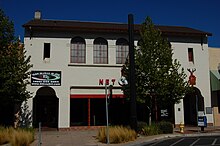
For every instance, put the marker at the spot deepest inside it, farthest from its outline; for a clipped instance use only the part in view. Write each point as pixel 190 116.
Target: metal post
pixel 149 115
pixel 133 114
pixel 106 104
pixel 89 114
pixel 39 135
pixel 197 118
pixel 94 119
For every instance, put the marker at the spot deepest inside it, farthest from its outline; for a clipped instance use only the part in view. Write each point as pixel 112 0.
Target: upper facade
pixel 102 37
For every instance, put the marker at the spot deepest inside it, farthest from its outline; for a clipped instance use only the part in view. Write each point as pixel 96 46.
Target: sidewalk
pixel 66 138
pixel 197 130
pixel 88 137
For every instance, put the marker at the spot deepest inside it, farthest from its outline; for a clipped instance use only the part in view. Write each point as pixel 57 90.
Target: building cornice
pixel 96 27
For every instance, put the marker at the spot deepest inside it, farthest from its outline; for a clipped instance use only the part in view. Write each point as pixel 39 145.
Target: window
pixel 78 50
pixel 122 50
pixel 46 50
pixel 190 55
pixel 100 51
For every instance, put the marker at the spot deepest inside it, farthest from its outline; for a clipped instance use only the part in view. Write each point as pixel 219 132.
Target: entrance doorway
pixel 193 102
pixel 45 108
pixel 79 112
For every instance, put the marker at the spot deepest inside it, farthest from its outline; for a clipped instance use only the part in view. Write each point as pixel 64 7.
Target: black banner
pixel 45 78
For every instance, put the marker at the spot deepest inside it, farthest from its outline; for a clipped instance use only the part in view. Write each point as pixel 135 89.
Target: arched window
pixel 78 50
pixel 100 51
pixel 122 50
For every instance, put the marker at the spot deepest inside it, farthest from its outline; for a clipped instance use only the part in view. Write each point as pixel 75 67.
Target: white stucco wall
pixel 201 64
pixel 72 74
pixel 89 74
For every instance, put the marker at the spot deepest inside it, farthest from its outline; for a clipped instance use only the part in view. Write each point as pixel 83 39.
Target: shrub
pixel 117 134
pixel 150 130
pixel 165 127
pixel 3 138
pixel 154 129
pixel 141 125
pixel 16 137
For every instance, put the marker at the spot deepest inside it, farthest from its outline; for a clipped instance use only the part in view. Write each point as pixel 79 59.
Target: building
pixel 214 67
pixel 73 60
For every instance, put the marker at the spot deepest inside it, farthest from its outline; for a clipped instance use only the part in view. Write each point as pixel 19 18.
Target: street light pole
pixel 132 85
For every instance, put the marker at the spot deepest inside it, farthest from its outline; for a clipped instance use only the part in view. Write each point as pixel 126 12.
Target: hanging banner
pixel 45 78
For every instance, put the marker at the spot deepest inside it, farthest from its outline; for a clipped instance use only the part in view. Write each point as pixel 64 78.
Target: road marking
pixel 177 142
pixel 155 143
pixel 195 142
pixel 213 143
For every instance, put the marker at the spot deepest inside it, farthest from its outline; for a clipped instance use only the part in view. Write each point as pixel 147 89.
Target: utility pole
pixel 132 85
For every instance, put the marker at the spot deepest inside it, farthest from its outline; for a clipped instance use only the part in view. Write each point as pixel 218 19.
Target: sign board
pixel 202 121
pixel 45 78
pixel 208 110
pixel 122 81
pixel 164 113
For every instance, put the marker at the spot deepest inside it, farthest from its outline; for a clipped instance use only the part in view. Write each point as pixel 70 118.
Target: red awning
pixel 95 96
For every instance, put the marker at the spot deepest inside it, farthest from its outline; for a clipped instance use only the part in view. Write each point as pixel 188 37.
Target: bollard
pixel 39 135
pixel 202 128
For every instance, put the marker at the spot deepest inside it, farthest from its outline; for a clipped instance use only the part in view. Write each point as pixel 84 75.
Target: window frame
pixel 78 50
pixel 100 51
pixel 190 55
pixel 47 48
pixel 122 50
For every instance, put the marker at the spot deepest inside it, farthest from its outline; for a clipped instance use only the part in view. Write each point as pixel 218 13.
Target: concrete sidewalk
pixel 88 137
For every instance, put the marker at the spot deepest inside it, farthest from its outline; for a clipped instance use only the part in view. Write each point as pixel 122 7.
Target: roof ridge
pixel 81 21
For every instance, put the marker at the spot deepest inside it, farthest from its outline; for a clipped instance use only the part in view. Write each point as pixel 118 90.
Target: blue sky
pixel 199 14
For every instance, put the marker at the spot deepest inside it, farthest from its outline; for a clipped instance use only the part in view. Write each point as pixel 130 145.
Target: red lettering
pixel 107 81
pixel 113 81
pixel 100 81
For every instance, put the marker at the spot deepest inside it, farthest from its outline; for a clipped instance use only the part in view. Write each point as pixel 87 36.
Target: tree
pixel 159 78
pixel 14 71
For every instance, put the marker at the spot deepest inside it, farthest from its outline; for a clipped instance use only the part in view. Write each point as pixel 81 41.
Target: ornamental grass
pixel 117 134
pixel 16 137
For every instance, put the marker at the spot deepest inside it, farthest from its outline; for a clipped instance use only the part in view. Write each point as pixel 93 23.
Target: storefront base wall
pixel 80 128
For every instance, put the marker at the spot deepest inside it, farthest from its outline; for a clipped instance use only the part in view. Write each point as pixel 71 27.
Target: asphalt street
pixel 187 141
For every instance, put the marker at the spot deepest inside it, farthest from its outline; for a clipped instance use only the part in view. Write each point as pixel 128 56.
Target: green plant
pixel 165 127
pixel 141 125
pixel 150 130
pixel 117 134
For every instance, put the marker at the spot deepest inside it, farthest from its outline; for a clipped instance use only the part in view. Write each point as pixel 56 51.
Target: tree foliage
pixel 14 65
pixel 157 73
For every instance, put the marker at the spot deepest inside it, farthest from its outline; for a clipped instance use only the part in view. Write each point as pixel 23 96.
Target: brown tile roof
pixel 108 27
